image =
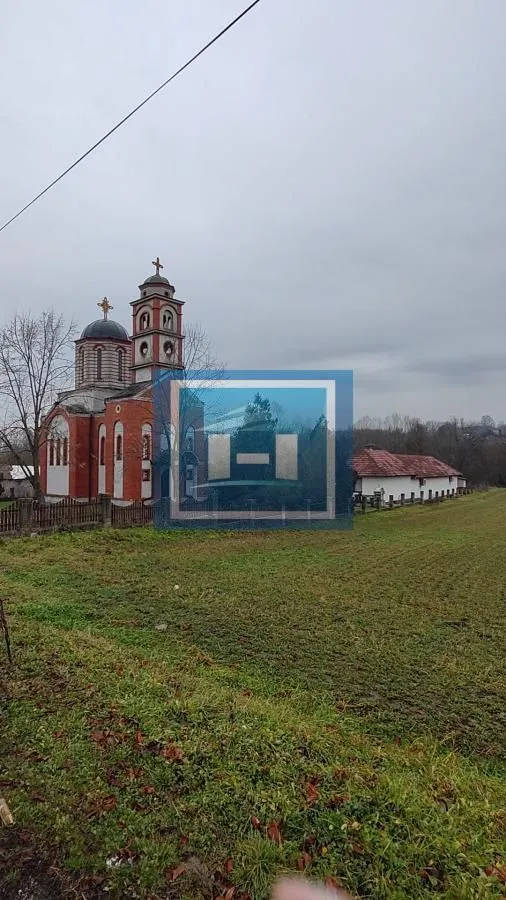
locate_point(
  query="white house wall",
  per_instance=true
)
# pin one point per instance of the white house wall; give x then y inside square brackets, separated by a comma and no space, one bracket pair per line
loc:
[404,484]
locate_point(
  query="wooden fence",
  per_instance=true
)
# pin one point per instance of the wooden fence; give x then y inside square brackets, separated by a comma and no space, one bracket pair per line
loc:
[364,503]
[24,517]
[30,516]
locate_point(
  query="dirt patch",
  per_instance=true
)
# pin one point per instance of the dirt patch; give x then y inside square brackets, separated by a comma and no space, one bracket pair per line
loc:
[28,874]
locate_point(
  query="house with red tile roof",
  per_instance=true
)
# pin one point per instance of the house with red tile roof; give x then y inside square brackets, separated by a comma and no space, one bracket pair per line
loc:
[403,475]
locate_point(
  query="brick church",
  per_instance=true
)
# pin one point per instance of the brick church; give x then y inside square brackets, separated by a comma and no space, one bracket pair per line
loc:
[99,436]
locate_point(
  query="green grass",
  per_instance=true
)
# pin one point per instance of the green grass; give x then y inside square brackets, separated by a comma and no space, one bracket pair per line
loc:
[345,689]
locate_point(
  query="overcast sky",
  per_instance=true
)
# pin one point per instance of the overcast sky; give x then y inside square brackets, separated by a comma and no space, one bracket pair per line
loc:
[326,186]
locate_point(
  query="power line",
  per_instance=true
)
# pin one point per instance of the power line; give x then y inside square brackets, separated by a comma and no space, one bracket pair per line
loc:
[132,112]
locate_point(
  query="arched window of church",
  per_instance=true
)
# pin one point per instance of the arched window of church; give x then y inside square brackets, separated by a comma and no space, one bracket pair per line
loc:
[51,452]
[65,451]
[146,446]
[81,364]
[58,452]
[121,364]
[102,451]
[119,447]
[167,320]
[190,438]
[144,321]
[99,364]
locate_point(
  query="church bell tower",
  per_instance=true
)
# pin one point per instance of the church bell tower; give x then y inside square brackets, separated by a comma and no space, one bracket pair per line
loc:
[157,338]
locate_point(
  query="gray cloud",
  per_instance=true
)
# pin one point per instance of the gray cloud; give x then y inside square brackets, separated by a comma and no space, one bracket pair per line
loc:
[325,186]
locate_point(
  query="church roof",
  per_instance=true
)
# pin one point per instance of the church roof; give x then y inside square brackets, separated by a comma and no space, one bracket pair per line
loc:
[130,391]
[156,279]
[103,329]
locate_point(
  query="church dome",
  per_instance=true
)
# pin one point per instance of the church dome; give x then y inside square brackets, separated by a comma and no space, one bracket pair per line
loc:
[103,329]
[156,279]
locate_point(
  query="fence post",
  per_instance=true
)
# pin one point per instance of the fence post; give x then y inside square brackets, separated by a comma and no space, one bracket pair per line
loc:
[106,510]
[26,510]
[391,501]
[412,497]
[363,502]
[403,497]
[421,496]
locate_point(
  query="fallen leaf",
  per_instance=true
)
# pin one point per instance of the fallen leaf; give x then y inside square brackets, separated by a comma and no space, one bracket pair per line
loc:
[229,865]
[138,739]
[6,816]
[172,874]
[303,861]
[338,800]
[172,752]
[113,778]
[432,875]
[255,821]
[147,789]
[357,849]
[274,833]
[312,793]
[497,871]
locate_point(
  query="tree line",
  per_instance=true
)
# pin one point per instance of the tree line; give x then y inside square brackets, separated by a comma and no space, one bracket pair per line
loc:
[477,449]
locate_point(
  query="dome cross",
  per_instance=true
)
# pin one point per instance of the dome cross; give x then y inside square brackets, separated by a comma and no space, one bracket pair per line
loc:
[105,306]
[157,264]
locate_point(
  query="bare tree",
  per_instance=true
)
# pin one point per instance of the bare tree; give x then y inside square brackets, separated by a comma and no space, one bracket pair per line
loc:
[34,366]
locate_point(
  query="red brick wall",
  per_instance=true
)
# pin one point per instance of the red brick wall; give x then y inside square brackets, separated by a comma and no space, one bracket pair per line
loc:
[79,455]
[133,414]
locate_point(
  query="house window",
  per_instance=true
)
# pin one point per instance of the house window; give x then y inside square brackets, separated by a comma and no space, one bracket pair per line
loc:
[146,446]
[450,478]
[58,452]
[119,447]
[65,451]
[102,451]
[99,364]
[421,482]
[51,452]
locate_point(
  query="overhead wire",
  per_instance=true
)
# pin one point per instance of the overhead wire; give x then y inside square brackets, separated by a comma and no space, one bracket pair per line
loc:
[131,113]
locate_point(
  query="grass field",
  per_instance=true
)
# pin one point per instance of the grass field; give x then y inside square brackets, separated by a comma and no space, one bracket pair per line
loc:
[326,702]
